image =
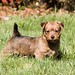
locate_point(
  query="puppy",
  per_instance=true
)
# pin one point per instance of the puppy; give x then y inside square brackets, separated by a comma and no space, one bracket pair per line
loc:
[45,45]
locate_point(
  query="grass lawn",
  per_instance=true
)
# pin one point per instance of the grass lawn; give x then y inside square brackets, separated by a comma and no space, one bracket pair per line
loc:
[30,66]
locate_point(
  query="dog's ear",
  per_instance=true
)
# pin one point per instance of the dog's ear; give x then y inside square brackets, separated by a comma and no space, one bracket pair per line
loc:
[61,24]
[43,24]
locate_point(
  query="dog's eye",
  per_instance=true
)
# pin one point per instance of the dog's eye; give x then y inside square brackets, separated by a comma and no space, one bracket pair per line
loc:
[47,31]
[56,30]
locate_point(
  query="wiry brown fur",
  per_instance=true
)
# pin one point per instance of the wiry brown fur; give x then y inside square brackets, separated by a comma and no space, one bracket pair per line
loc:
[45,45]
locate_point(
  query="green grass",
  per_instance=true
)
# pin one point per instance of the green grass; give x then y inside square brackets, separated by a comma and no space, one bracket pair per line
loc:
[30,66]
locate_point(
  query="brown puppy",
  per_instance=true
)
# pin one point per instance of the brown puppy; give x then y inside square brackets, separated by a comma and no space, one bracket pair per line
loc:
[45,45]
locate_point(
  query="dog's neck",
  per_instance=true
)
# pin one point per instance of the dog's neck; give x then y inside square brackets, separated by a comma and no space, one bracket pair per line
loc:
[50,44]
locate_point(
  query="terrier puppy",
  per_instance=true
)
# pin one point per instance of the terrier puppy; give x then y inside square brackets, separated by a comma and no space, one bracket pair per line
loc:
[45,45]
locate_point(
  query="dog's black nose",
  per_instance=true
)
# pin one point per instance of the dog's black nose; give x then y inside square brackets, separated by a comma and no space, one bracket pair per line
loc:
[52,37]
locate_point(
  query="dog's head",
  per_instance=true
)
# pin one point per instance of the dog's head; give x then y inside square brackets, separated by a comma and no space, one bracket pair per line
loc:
[52,30]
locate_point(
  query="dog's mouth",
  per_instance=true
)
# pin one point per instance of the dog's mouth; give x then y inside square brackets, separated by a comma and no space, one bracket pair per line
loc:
[53,41]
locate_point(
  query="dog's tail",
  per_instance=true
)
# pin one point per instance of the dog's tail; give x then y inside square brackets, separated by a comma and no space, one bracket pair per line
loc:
[15,31]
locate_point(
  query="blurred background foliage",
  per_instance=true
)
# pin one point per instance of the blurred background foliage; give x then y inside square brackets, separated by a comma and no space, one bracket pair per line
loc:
[65,4]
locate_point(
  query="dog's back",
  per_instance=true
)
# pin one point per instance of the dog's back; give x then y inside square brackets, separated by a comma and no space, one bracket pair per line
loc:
[18,44]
